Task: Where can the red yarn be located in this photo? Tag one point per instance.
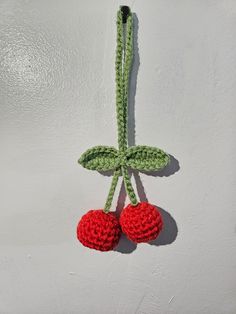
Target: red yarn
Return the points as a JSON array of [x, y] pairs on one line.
[[98, 230], [141, 223]]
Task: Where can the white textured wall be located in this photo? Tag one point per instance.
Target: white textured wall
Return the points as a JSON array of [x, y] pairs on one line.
[[58, 98]]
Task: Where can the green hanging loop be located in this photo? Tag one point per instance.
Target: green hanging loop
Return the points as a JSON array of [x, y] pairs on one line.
[[124, 55], [139, 157]]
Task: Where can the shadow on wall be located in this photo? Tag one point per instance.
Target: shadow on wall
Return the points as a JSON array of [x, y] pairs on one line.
[[170, 230]]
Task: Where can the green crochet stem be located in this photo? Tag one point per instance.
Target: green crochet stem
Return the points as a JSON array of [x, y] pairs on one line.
[[129, 187], [111, 191], [124, 54]]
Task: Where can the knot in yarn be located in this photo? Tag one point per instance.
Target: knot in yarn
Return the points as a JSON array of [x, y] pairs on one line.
[[122, 158], [141, 223]]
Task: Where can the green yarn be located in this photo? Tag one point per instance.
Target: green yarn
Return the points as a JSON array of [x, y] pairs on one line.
[[140, 157], [146, 158], [100, 158], [115, 178], [128, 186]]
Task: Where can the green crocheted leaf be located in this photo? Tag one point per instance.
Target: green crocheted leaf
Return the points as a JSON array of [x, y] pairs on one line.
[[100, 158], [146, 158]]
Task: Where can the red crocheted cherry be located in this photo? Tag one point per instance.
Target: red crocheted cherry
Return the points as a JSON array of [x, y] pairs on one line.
[[99, 230], [141, 223]]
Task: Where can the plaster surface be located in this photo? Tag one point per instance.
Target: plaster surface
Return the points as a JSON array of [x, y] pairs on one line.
[[57, 98]]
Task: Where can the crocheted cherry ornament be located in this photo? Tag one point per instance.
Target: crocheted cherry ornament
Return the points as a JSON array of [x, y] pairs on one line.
[[141, 223], [99, 230]]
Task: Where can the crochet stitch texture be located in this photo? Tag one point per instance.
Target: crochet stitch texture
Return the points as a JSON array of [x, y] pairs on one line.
[[141, 223], [98, 230]]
